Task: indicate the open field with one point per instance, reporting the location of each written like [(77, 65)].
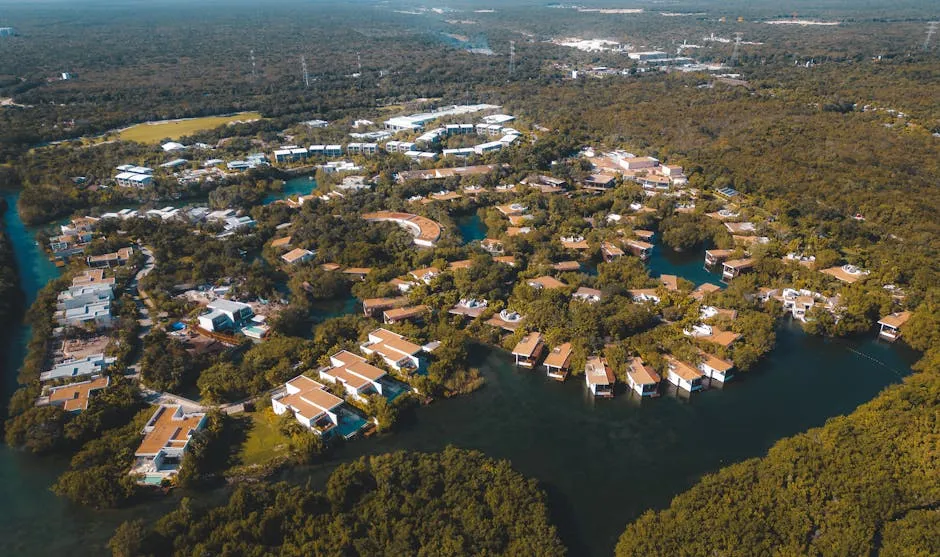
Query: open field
[(153, 132), (265, 440)]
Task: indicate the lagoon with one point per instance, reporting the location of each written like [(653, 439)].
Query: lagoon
[(602, 462)]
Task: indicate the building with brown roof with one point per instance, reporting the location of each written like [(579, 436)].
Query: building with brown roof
[(575, 243), (703, 289), (370, 306), (297, 255), (716, 256), (670, 282), (399, 354), (528, 351), (310, 403), (683, 375), (589, 295), (546, 283), (599, 377), (639, 248), (354, 373), (166, 436), (411, 313), (425, 231), (716, 368), (557, 361), (736, 267), (281, 242), (891, 325), (567, 266), (74, 397), (506, 320), (846, 273), (610, 252), (643, 379)]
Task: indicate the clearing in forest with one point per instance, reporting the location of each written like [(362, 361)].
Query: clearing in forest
[(153, 132)]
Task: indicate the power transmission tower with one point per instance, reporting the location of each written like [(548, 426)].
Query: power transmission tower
[(512, 58), (737, 45), (931, 29), (303, 65), (254, 74)]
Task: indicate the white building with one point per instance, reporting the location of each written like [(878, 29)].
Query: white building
[(312, 406), (399, 353), (89, 365), (354, 373), (166, 437), (225, 315)]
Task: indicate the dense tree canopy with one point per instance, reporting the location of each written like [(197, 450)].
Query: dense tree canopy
[(451, 503)]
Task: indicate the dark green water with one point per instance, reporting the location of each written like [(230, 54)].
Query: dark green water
[(602, 462), (471, 228), (301, 185)]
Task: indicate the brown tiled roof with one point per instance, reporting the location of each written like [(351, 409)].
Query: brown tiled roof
[(528, 345), (168, 431), (558, 357), (896, 320)]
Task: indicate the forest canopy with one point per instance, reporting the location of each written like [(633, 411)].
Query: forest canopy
[(455, 502)]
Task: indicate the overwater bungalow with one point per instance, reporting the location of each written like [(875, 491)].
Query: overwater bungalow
[(599, 377), (529, 350), (736, 267), (557, 361), (891, 325), (683, 375), (643, 380)]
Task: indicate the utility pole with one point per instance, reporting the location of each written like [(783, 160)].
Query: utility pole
[(931, 29), (303, 65), (737, 45)]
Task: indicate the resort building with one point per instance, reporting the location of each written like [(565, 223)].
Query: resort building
[(891, 325), (683, 375), (225, 315), (546, 282), (640, 248), (567, 266), (716, 368), (119, 257), (425, 275), (371, 306), (846, 273), (312, 406), (354, 373), (642, 379), (166, 436), (469, 307), (716, 256), (93, 364), (736, 267), (669, 282), (599, 377), (589, 295), (529, 350), (704, 289), (398, 353), (641, 295), (574, 242), (74, 397), (557, 361), (297, 255), (610, 252), (491, 246), (397, 315), (425, 231), (506, 320), (96, 314)]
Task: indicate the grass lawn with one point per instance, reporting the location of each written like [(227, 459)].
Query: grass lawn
[(175, 129), (265, 441)]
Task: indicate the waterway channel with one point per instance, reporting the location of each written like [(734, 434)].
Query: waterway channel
[(602, 462)]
